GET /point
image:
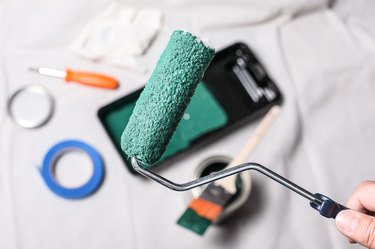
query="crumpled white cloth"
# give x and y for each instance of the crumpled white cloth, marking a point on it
(119, 35)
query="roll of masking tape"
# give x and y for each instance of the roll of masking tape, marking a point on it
(54, 154)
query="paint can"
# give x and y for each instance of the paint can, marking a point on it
(243, 183)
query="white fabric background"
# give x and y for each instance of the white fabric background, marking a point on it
(321, 58)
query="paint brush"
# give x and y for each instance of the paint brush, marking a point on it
(207, 208)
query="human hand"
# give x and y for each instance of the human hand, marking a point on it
(358, 222)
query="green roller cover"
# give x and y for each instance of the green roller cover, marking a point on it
(166, 95)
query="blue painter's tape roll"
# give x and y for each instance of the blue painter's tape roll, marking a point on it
(52, 157)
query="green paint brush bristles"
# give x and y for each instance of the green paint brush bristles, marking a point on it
(194, 222)
(166, 96)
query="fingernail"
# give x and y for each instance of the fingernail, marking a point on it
(346, 221)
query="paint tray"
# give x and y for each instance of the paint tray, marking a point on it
(235, 90)
(203, 115)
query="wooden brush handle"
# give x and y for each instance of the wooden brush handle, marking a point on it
(229, 183)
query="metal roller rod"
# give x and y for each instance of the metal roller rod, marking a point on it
(221, 174)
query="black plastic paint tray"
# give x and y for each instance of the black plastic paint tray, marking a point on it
(235, 90)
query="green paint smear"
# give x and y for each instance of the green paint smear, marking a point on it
(203, 115)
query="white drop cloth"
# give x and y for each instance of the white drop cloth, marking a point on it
(323, 61)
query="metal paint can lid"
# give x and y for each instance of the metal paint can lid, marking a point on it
(31, 106)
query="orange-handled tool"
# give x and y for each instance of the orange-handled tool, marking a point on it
(85, 78)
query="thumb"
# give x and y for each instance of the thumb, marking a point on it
(357, 226)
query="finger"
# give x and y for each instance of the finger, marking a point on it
(363, 198)
(357, 226)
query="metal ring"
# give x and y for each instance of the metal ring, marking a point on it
(31, 123)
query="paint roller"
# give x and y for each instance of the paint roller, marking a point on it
(160, 108)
